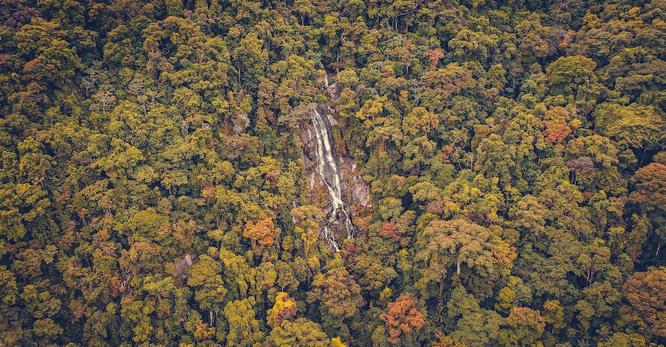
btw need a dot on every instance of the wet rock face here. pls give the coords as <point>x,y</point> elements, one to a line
<point>355,187</point>
<point>309,149</point>
<point>355,190</point>
<point>335,184</point>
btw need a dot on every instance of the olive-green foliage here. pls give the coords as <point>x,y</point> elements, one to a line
<point>153,188</point>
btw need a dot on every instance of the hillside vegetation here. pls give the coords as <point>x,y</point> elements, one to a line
<point>154,192</point>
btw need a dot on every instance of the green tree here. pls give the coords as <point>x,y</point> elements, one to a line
<point>205,278</point>
<point>446,248</point>
<point>244,328</point>
<point>524,327</point>
<point>251,59</point>
<point>336,290</point>
<point>300,332</point>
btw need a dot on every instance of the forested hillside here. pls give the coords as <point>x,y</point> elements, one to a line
<point>498,173</point>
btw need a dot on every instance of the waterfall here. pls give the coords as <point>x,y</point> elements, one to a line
<point>327,169</point>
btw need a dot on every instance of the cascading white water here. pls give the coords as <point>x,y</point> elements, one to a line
<point>326,164</point>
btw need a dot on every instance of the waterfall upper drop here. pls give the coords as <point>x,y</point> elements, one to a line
<point>327,169</point>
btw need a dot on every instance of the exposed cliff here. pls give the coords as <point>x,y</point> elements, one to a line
<point>335,184</point>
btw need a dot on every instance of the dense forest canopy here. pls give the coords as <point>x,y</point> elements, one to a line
<point>154,186</point>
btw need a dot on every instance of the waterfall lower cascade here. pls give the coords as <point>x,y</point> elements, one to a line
<point>327,169</point>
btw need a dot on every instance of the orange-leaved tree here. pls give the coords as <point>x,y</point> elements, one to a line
<point>402,317</point>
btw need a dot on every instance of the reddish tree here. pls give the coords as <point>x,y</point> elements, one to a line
<point>556,132</point>
<point>557,128</point>
<point>402,317</point>
<point>389,231</point>
<point>646,294</point>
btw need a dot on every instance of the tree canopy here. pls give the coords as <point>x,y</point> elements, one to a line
<point>502,165</point>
